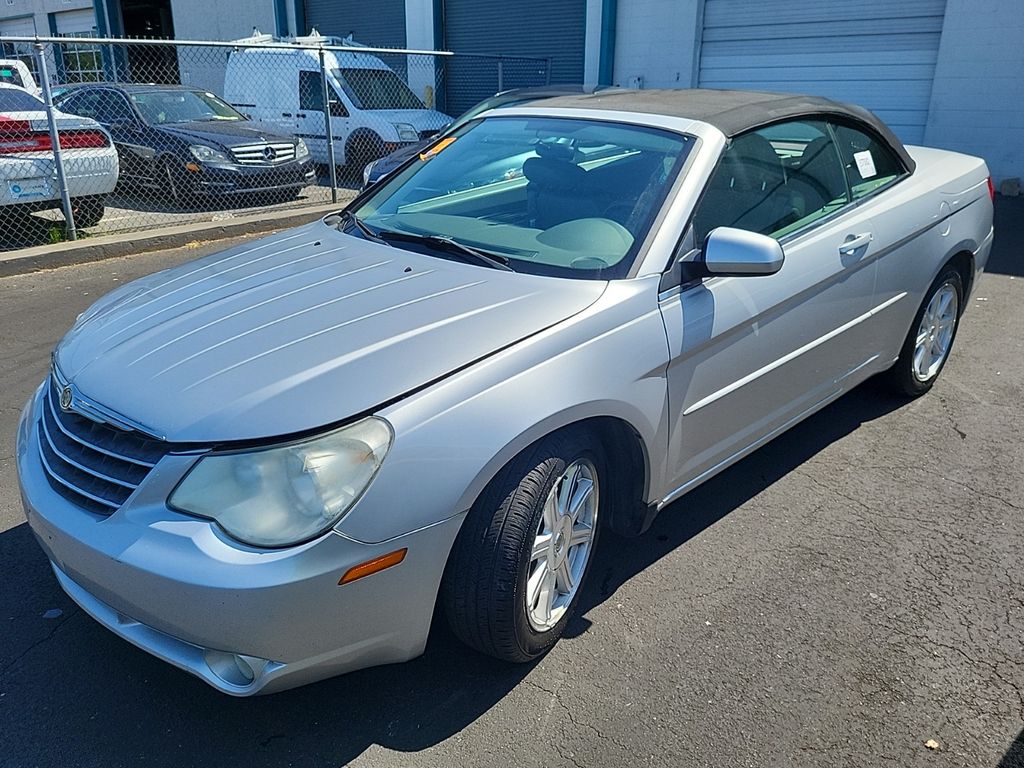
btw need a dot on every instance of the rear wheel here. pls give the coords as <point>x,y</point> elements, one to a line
<point>517,569</point>
<point>930,339</point>
<point>88,211</point>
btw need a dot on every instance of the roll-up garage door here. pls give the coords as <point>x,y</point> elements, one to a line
<point>877,53</point>
<point>380,24</point>
<point>529,29</point>
<point>81,23</point>
<point>23,27</point>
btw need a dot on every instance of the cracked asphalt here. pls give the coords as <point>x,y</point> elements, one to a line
<point>850,592</point>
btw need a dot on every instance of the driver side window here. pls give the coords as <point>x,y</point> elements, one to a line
<point>774,181</point>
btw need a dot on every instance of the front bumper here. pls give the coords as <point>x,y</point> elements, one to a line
<point>178,588</point>
<point>242,179</point>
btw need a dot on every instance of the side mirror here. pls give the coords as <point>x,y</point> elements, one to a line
<point>123,125</point>
<point>737,252</point>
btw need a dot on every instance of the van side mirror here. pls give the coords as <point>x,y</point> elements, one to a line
<point>737,252</point>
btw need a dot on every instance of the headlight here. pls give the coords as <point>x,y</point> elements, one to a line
<point>287,494</point>
<point>301,150</point>
<point>205,154</point>
<point>406,132</point>
<point>367,171</point>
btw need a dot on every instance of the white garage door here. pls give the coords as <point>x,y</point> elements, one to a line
<point>76,23</point>
<point>877,53</point>
<point>24,27</point>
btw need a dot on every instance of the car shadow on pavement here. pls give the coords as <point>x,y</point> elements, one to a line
<point>1014,757</point>
<point>708,503</point>
<point>1006,257</point>
<point>74,694</point>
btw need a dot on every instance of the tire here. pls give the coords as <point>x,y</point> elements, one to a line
<point>930,338</point>
<point>493,571</point>
<point>88,211</point>
<point>175,189</point>
<point>360,150</point>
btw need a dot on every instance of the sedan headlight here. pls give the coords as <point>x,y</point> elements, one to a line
<point>205,154</point>
<point>367,171</point>
<point>286,494</point>
<point>301,150</point>
<point>406,132</point>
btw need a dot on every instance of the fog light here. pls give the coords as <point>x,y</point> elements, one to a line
<point>233,668</point>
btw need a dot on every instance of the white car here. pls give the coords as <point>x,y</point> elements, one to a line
<point>14,72</point>
<point>28,172</point>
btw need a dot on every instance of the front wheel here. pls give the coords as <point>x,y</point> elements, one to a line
<point>517,570</point>
<point>930,339</point>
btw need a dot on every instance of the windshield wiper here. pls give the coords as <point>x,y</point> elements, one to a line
<point>350,219</point>
<point>454,247</point>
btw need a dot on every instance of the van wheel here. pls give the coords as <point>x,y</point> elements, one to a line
<point>362,148</point>
<point>517,570</point>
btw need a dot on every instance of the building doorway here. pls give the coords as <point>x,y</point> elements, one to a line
<point>150,19</point>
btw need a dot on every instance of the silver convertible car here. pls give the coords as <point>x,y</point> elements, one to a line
<point>268,466</point>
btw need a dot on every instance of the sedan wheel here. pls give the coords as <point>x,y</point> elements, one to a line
<point>927,346</point>
<point>562,546</point>
<point>517,569</point>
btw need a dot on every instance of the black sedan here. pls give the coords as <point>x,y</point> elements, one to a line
<point>188,143</point>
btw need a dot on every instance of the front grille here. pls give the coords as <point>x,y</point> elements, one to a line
<point>265,154</point>
<point>93,465</point>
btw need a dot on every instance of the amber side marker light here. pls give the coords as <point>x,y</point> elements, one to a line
<point>371,567</point>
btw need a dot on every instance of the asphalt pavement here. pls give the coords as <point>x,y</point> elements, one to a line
<point>850,595</point>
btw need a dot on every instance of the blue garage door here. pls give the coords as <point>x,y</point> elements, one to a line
<point>380,23</point>
<point>877,53</point>
<point>538,29</point>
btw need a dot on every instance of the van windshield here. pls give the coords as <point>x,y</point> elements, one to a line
<point>376,89</point>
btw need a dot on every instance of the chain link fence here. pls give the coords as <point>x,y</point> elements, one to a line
<point>110,135</point>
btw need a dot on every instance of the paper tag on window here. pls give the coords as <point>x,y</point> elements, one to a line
<point>865,164</point>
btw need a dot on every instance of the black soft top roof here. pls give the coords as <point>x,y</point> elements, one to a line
<point>732,112</point>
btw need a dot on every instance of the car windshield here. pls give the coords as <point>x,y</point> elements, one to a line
<point>174,106</point>
<point>554,196</point>
<point>10,75</point>
<point>17,100</point>
<point>376,89</point>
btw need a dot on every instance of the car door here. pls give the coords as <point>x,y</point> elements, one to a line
<point>750,355</point>
<point>135,153</point>
<point>309,120</point>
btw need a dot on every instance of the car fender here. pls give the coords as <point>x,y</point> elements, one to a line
<point>453,437</point>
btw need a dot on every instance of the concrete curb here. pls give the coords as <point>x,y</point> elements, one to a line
<point>126,244</point>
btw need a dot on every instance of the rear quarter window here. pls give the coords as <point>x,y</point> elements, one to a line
<point>869,163</point>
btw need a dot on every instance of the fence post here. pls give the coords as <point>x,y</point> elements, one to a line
<point>501,74</point>
<point>327,129</point>
<point>58,158</point>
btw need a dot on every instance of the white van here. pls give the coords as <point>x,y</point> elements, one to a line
<point>373,111</point>
<point>14,72</point>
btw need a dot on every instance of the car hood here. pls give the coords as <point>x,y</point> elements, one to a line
<point>297,331</point>
<point>227,134</point>
<point>420,119</point>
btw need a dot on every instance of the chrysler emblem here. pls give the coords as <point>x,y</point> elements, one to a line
<point>65,398</point>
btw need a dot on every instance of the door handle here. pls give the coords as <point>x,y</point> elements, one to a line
<point>853,242</point>
<point>300,114</point>
<point>286,114</point>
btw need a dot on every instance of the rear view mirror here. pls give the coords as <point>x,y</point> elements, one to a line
<point>737,252</point>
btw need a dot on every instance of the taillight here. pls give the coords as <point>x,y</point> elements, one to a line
<point>991,189</point>
<point>82,139</point>
<point>17,136</point>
